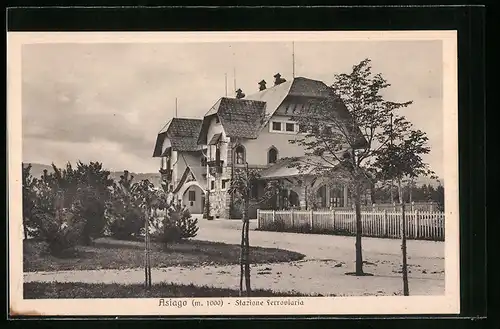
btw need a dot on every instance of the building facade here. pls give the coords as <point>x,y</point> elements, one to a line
<point>251,133</point>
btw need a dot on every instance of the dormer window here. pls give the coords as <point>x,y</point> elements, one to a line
<point>290,127</point>
<point>276,126</point>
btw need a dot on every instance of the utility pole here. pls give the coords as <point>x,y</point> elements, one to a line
<point>234,77</point>
<point>225,77</point>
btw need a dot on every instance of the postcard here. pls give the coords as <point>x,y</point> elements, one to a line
<point>233,173</point>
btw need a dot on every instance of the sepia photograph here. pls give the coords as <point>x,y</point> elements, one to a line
<point>233,173</point>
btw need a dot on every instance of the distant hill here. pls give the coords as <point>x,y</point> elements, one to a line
<point>37,171</point>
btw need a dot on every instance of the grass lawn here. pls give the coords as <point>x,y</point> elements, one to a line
<point>113,254</point>
<point>50,290</point>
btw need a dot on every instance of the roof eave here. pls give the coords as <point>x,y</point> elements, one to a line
<point>160,139</point>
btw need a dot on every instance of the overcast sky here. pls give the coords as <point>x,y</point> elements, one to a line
<point>107,102</point>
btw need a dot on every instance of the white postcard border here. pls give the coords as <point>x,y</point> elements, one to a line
<point>386,305</point>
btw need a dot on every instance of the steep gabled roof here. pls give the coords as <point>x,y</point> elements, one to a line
<point>182,133</point>
<point>239,117</point>
<point>245,118</point>
<point>298,87</point>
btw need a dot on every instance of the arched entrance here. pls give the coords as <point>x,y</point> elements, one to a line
<point>193,197</point>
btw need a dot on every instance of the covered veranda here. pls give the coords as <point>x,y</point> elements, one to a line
<point>303,190</point>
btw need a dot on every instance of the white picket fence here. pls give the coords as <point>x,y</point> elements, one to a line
<point>421,225</point>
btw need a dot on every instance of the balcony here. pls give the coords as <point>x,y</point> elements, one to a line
<point>215,170</point>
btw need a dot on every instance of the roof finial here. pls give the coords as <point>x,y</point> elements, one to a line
<point>176,107</point>
<point>293,59</point>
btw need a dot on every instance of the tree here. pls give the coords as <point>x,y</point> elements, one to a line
<point>93,192</point>
<point>401,160</point>
<point>240,188</point>
<point>342,133</point>
<point>127,219</point>
<point>144,196</point>
<point>29,202</point>
<point>439,197</point>
<point>87,188</point>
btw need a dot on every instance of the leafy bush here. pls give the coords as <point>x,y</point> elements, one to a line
<point>61,230</point>
<point>30,225</point>
<point>67,206</point>
<point>179,224</point>
<point>129,226</point>
<point>126,216</point>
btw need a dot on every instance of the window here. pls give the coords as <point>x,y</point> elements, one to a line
<point>239,155</point>
<point>277,126</point>
<point>290,127</point>
<point>212,185</point>
<point>217,155</point>
<point>217,119</point>
<point>302,128</point>
<point>272,155</point>
<point>224,183</point>
<point>192,196</point>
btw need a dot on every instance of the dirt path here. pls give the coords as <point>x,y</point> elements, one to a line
<point>321,272</point>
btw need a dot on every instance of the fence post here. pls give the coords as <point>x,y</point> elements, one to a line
<point>258,218</point>
<point>412,206</point>
<point>311,218</point>
<point>274,216</point>
<point>333,219</point>
<point>385,223</point>
<point>291,219</point>
<point>417,225</point>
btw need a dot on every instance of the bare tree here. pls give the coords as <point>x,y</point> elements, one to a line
<point>401,160</point>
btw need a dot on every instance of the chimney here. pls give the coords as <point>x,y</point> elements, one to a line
<point>239,94</point>
<point>278,79</point>
<point>262,85</point>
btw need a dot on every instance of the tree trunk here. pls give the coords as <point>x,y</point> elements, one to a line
<point>242,255</point>
<point>147,270</point>
<point>392,193</point>
<point>411,191</point>
<point>359,230</point>
<point>149,249</point>
<point>247,247</point>
<point>404,266</point>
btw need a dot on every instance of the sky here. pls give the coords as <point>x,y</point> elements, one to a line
<point>107,102</point>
